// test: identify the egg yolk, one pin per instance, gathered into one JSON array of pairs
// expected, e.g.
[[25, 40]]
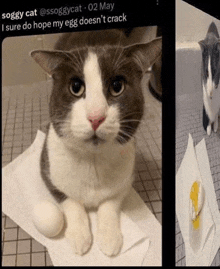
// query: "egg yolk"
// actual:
[[194, 197]]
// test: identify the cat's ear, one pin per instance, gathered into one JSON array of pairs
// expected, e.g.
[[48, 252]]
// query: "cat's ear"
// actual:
[[202, 44], [146, 53], [49, 60]]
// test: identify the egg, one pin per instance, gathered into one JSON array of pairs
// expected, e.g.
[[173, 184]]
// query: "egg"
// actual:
[[48, 218], [197, 197]]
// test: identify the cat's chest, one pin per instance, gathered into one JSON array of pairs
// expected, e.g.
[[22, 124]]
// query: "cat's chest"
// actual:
[[93, 178], [212, 106]]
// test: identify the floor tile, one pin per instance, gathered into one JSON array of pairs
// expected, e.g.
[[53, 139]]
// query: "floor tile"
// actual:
[[24, 246], [9, 248], [8, 260], [23, 260], [11, 234], [38, 259], [36, 246]]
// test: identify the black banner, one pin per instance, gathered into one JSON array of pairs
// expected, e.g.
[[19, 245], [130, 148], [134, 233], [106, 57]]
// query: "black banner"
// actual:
[[77, 16]]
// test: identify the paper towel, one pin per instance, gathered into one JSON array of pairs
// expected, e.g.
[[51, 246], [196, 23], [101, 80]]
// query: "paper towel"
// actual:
[[195, 166], [23, 187]]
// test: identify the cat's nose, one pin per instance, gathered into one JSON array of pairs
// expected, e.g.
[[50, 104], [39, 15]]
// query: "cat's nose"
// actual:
[[96, 121]]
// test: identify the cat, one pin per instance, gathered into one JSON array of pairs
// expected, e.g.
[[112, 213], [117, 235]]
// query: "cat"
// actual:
[[95, 108], [210, 47]]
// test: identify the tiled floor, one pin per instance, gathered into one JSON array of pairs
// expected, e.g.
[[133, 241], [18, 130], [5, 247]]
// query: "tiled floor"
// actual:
[[189, 120], [24, 111]]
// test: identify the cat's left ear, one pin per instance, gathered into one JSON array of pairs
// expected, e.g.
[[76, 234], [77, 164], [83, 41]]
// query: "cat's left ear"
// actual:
[[49, 60], [146, 53]]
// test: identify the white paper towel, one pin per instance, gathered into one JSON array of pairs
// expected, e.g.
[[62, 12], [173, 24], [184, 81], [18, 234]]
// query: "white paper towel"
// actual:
[[195, 166], [23, 187]]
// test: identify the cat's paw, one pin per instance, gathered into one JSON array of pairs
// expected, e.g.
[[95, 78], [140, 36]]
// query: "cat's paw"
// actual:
[[80, 238], [110, 241], [209, 130]]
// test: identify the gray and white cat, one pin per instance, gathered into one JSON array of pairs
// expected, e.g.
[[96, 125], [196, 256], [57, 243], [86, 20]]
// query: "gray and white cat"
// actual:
[[210, 47], [95, 108]]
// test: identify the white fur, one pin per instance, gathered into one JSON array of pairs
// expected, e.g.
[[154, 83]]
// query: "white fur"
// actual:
[[94, 104], [211, 100], [92, 175], [100, 180], [109, 233], [81, 128], [209, 84], [77, 231], [95, 100], [212, 106], [90, 178]]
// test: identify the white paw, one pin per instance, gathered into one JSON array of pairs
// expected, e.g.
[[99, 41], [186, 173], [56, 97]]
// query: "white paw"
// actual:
[[209, 130], [110, 241], [80, 238]]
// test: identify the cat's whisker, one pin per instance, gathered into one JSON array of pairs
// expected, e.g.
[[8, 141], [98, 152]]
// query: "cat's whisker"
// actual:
[[125, 133], [117, 50], [123, 138], [80, 57], [132, 120], [128, 127], [119, 62], [118, 57], [131, 114], [68, 55], [138, 62], [79, 61]]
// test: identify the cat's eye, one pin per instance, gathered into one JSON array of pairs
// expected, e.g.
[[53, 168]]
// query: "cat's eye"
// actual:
[[117, 86], [77, 87]]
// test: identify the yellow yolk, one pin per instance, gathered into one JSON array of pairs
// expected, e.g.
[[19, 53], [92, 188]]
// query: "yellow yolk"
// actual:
[[194, 197]]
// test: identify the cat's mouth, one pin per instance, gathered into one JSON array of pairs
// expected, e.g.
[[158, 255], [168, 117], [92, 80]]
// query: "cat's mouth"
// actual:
[[95, 140]]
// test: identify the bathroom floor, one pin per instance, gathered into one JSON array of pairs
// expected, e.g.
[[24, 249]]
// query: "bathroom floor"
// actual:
[[189, 120], [24, 111]]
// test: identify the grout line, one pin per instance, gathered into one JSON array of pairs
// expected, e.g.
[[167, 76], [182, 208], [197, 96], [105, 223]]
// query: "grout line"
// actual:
[[31, 251], [16, 257], [3, 237], [24, 253], [45, 256]]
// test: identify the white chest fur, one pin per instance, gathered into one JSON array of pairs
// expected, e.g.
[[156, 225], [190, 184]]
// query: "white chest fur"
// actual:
[[94, 177], [212, 105]]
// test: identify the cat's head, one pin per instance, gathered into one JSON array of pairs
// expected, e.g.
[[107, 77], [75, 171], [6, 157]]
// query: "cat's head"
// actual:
[[210, 47], [97, 96]]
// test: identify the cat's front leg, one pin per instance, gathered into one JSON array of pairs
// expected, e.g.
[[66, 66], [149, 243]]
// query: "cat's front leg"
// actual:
[[78, 230], [209, 129], [216, 123], [109, 233]]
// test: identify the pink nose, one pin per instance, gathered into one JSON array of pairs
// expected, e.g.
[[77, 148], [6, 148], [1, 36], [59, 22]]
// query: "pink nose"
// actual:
[[96, 121]]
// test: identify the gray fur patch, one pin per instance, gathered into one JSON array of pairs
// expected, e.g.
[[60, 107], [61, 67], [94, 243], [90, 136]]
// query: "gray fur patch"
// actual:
[[45, 174]]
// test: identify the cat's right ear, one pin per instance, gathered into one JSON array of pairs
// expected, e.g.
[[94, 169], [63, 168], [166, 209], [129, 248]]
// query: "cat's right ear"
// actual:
[[49, 60], [145, 53], [202, 44]]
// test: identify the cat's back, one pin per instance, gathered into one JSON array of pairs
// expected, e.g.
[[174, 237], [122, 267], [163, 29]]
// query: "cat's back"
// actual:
[[69, 41]]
